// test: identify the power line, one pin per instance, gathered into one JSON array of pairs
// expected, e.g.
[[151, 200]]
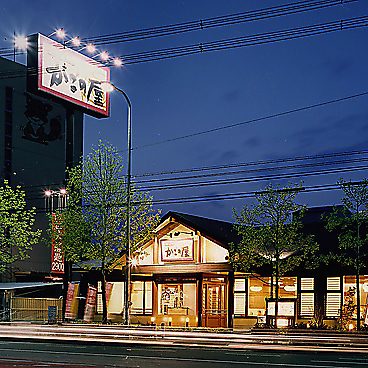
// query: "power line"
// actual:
[[292, 111], [202, 24], [198, 25], [252, 40], [247, 164], [263, 38]]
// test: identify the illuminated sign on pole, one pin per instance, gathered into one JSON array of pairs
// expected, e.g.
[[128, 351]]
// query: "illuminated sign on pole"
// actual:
[[65, 74], [57, 258]]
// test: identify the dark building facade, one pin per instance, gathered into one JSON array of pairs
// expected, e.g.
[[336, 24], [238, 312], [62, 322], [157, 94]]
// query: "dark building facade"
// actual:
[[36, 137]]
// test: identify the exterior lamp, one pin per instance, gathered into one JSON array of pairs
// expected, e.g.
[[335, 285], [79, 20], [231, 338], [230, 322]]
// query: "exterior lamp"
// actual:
[[76, 41], [104, 56], [108, 87], [91, 48], [117, 62], [60, 33], [20, 42]]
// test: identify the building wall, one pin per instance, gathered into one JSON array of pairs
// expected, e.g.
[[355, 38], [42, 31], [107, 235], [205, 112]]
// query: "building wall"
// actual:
[[37, 144]]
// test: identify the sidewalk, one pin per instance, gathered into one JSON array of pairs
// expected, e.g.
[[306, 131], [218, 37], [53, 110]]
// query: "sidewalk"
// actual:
[[245, 339]]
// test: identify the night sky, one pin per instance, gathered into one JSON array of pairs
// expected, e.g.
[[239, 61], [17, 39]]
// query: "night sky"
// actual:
[[186, 95]]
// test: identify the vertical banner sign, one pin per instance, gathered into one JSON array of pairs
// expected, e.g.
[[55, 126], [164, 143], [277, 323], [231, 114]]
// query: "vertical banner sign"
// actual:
[[71, 308], [57, 258], [90, 308]]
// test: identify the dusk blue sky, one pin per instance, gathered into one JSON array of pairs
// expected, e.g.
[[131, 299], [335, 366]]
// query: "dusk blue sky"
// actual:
[[185, 95]]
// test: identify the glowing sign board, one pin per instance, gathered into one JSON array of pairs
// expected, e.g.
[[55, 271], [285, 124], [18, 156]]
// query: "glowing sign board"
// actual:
[[57, 258], [65, 74], [177, 250]]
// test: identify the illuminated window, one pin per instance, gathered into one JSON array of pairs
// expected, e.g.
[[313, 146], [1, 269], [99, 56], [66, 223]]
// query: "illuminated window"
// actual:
[[333, 304], [333, 299], [307, 304], [350, 284], [306, 297], [141, 297], [240, 296], [258, 291], [180, 299]]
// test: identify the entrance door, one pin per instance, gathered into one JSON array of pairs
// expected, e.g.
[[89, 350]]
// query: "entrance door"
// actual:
[[214, 305]]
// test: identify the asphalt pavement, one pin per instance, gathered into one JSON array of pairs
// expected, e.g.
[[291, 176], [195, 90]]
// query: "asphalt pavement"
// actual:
[[306, 340]]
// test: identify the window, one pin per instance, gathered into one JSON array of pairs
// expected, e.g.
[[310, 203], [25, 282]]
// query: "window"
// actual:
[[306, 297], [258, 291], [350, 283], [240, 296], [141, 297], [333, 297], [109, 289], [180, 299]]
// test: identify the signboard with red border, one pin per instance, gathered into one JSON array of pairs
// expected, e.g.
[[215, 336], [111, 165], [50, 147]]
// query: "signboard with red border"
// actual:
[[57, 258], [67, 76], [90, 308], [177, 250], [71, 307]]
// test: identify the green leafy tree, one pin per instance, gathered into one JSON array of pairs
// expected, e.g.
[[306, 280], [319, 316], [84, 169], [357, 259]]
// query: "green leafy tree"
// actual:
[[16, 223], [270, 233], [94, 221], [350, 224]]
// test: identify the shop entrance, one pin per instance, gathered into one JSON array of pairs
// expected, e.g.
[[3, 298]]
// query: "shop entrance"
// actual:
[[214, 304]]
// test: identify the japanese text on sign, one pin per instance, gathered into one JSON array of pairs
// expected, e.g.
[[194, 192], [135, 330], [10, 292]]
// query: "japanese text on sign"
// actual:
[[72, 76], [177, 250]]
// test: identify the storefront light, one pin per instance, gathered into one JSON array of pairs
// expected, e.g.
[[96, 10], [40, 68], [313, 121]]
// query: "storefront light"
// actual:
[[365, 287], [282, 322], [256, 288], [289, 288]]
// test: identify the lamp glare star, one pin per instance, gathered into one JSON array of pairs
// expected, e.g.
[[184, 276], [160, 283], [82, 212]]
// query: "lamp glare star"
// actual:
[[60, 33]]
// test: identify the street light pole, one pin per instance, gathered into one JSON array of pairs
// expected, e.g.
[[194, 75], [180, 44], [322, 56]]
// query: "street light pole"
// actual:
[[128, 187]]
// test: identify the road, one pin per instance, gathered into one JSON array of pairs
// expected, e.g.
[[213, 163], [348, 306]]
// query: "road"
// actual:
[[21, 354]]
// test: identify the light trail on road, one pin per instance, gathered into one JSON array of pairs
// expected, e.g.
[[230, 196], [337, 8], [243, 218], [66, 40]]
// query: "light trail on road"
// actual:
[[41, 354]]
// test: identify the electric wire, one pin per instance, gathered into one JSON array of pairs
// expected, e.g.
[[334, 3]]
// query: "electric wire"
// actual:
[[275, 115], [202, 24], [253, 40]]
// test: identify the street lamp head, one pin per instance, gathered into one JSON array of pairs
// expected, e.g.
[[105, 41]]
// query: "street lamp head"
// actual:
[[48, 193], [107, 86], [20, 42]]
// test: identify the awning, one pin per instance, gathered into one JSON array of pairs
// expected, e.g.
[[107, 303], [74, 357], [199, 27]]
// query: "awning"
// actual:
[[25, 285]]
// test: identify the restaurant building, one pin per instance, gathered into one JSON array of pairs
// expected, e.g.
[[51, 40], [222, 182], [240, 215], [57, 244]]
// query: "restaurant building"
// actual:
[[182, 277]]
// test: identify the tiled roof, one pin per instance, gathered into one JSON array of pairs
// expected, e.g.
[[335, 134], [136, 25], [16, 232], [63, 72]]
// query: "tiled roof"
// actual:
[[220, 231]]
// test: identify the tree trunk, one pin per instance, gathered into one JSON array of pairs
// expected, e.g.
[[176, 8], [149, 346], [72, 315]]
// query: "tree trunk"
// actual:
[[276, 291], [104, 304], [357, 277]]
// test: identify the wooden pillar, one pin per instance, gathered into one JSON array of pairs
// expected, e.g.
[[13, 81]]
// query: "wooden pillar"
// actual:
[[230, 299], [199, 298]]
